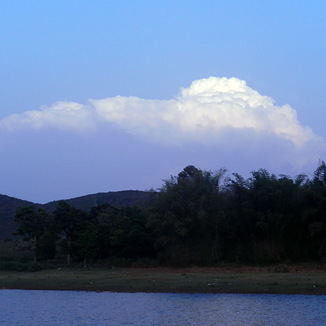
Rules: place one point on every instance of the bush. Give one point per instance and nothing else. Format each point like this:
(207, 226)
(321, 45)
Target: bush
(17, 266)
(13, 266)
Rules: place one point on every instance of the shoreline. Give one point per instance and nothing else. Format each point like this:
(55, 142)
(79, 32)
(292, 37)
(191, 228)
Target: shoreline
(259, 280)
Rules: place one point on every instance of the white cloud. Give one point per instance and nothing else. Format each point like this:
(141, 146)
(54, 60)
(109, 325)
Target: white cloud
(62, 115)
(200, 113)
(214, 122)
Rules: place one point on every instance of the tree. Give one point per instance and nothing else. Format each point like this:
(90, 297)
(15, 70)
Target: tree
(186, 218)
(46, 245)
(122, 232)
(239, 219)
(32, 223)
(314, 215)
(320, 174)
(134, 239)
(68, 222)
(86, 243)
(106, 219)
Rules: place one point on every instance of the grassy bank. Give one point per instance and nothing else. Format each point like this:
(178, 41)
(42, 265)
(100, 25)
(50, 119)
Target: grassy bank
(196, 280)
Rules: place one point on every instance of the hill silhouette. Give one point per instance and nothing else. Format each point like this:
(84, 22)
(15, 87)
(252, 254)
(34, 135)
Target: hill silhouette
(8, 208)
(126, 198)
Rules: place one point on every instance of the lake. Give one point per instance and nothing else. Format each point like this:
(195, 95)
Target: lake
(40, 308)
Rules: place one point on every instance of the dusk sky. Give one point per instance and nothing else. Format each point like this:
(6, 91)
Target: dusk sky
(101, 96)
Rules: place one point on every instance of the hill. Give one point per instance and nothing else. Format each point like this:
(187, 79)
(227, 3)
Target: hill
(124, 198)
(8, 208)
(9, 205)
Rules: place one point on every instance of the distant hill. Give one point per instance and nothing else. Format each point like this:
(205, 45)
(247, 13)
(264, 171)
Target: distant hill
(8, 207)
(124, 198)
(127, 198)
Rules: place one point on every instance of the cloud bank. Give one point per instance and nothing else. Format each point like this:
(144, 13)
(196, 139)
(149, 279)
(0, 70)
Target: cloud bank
(134, 143)
(62, 115)
(200, 113)
(221, 114)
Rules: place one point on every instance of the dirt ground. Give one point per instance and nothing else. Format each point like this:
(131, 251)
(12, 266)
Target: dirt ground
(228, 279)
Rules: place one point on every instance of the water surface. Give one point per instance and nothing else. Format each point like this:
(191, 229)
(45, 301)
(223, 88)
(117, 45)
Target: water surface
(40, 308)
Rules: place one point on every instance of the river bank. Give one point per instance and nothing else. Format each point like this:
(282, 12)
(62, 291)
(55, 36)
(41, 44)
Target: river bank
(294, 280)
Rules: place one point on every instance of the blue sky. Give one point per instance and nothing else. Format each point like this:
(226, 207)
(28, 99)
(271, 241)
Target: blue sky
(112, 95)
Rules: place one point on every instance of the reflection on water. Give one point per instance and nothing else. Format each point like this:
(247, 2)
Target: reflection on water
(40, 308)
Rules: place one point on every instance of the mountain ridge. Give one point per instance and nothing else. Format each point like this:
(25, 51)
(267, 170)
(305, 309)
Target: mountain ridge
(124, 198)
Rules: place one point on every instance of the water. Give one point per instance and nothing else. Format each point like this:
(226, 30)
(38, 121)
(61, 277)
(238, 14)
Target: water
(40, 308)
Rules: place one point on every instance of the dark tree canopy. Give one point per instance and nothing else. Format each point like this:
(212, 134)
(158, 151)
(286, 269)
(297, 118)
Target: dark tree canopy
(197, 217)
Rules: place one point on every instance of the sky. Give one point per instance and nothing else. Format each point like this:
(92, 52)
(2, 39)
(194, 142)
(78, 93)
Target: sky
(101, 96)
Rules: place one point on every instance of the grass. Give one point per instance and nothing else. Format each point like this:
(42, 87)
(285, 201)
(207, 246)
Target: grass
(191, 280)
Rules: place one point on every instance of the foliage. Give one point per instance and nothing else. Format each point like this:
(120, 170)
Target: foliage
(32, 223)
(186, 219)
(197, 218)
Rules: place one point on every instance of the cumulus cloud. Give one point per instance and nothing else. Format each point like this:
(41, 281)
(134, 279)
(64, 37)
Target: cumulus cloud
(204, 112)
(136, 142)
(62, 115)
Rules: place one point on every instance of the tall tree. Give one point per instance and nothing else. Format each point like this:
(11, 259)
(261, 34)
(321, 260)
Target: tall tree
(186, 217)
(315, 215)
(86, 245)
(68, 222)
(32, 223)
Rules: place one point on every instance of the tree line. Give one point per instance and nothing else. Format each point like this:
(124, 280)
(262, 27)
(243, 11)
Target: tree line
(197, 217)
